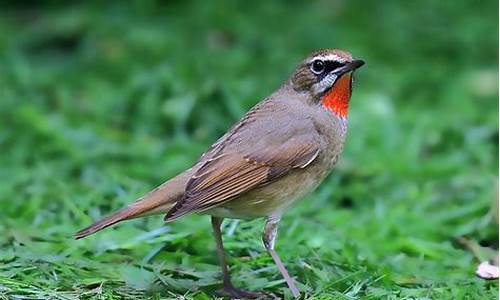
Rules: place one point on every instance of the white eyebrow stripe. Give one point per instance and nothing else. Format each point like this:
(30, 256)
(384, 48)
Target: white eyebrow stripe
(330, 56)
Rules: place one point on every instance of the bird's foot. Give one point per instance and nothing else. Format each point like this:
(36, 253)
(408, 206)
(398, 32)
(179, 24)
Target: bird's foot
(234, 293)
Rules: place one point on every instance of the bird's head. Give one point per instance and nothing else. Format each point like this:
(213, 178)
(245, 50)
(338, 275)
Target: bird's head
(326, 75)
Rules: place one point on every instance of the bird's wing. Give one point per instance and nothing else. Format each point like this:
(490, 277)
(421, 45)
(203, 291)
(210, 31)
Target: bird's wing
(267, 143)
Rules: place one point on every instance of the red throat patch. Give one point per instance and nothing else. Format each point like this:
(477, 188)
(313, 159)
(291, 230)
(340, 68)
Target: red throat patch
(337, 98)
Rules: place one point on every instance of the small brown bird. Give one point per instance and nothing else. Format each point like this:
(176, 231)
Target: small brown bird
(281, 149)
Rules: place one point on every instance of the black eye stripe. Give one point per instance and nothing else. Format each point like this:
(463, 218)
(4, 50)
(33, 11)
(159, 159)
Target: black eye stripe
(327, 66)
(332, 65)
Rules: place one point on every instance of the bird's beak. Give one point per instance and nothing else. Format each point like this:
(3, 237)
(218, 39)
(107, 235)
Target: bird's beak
(351, 66)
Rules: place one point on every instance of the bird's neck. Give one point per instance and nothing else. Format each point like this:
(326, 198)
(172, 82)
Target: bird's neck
(337, 98)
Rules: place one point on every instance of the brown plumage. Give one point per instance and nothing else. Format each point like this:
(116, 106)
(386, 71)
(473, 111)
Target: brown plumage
(281, 149)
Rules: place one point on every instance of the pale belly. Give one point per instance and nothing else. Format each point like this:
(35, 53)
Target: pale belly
(272, 199)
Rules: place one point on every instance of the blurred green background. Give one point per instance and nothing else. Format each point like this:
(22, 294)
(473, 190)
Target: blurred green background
(101, 101)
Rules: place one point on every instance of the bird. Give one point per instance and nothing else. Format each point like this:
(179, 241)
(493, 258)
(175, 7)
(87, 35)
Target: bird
(280, 150)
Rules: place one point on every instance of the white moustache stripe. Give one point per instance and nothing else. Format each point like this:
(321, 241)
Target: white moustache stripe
(324, 84)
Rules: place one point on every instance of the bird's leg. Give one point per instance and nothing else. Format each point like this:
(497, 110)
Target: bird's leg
(269, 236)
(228, 287)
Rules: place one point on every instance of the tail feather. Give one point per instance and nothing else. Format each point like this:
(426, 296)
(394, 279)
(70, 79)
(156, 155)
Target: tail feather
(123, 214)
(159, 200)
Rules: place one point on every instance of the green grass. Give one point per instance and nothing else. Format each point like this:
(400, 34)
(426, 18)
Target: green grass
(101, 102)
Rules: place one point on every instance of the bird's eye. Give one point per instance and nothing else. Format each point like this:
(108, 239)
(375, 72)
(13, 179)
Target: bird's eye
(317, 66)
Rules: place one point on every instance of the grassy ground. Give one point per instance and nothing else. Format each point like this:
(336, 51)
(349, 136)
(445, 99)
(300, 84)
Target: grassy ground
(100, 103)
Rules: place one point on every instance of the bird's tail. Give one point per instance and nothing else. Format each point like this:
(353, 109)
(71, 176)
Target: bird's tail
(125, 213)
(159, 200)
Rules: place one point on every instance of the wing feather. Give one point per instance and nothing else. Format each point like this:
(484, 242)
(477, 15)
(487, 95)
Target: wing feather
(240, 161)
